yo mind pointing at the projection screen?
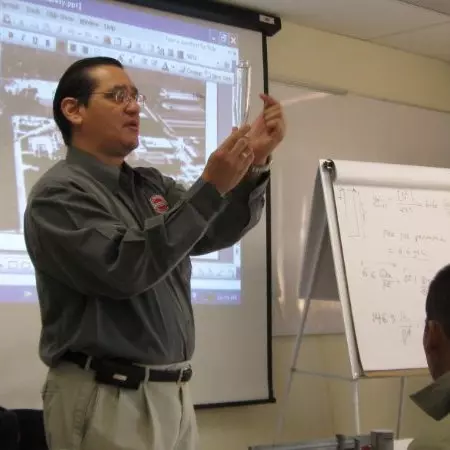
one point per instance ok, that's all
(185, 68)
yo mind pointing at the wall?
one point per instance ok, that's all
(319, 408)
(307, 55)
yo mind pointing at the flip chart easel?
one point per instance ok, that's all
(353, 206)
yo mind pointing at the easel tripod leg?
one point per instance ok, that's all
(284, 401)
(309, 273)
(401, 405)
(356, 409)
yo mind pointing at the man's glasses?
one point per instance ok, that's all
(124, 97)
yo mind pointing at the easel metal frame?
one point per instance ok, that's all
(324, 223)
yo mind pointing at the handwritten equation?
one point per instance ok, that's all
(392, 274)
(355, 210)
(393, 243)
(401, 321)
(411, 245)
(394, 250)
(402, 259)
(405, 201)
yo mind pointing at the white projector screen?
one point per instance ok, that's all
(185, 69)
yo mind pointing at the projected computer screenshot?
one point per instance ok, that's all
(186, 72)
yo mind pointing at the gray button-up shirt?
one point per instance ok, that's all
(112, 266)
(434, 400)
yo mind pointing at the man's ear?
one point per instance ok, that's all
(434, 336)
(72, 110)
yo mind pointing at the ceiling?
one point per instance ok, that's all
(416, 26)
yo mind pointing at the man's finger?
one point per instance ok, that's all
(268, 100)
(240, 147)
(246, 159)
(275, 125)
(272, 114)
(271, 109)
(235, 136)
(272, 123)
(246, 154)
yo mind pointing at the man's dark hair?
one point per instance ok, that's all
(77, 82)
(437, 305)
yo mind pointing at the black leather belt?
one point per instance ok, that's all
(125, 374)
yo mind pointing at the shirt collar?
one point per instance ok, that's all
(434, 399)
(106, 174)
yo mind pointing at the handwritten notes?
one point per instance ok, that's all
(393, 241)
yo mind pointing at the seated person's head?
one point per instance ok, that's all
(436, 336)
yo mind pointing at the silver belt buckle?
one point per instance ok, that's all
(180, 376)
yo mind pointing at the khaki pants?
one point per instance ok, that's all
(80, 414)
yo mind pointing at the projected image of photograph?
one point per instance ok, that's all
(179, 122)
(172, 135)
(172, 120)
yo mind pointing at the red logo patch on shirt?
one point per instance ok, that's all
(159, 204)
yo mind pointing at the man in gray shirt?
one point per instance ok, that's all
(111, 246)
